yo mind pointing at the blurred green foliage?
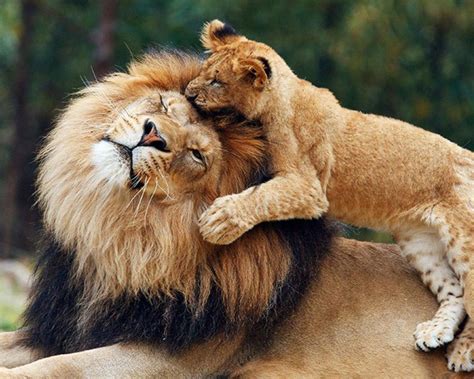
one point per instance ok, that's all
(409, 59)
(9, 317)
(12, 303)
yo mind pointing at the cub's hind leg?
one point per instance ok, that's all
(460, 353)
(457, 225)
(424, 250)
(459, 239)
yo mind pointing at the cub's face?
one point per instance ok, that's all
(230, 80)
(236, 74)
(156, 145)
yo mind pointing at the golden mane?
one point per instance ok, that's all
(120, 247)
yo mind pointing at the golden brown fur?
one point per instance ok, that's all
(338, 329)
(366, 170)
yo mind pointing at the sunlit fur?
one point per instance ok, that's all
(128, 241)
(362, 169)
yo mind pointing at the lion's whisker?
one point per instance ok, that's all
(168, 189)
(131, 200)
(113, 177)
(143, 190)
(150, 200)
(165, 190)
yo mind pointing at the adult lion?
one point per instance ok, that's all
(126, 287)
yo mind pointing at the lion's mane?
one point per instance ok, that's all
(111, 274)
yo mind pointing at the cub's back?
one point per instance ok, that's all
(388, 164)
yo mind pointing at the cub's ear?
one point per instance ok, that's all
(258, 70)
(216, 33)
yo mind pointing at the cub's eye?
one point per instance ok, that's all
(197, 156)
(215, 83)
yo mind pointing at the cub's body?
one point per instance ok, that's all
(388, 174)
(362, 169)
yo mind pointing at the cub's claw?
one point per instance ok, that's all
(221, 223)
(432, 334)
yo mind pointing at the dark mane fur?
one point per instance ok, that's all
(51, 318)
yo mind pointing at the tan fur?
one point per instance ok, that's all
(366, 170)
(343, 328)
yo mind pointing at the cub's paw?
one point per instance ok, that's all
(432, 334)
(222, 222)
(460, 354)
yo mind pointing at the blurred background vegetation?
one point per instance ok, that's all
(409, 59)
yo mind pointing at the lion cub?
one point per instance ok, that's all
(362, 169)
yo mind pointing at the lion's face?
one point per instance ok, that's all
(235, 76)
(155, 144)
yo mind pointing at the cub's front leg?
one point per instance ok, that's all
(288, 196)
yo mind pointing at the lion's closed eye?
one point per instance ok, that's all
(178, 109)
(164, 106)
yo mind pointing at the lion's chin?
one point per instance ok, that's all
(110, 165)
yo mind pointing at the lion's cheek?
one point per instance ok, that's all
(109, 165)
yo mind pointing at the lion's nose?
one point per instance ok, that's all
(151, 137)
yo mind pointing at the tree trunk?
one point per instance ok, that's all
(15, 211)
(104, 38)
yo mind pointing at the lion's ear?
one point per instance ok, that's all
(258, 70)
(216, 33)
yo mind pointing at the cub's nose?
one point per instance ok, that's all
(190, 94)
(151, 137)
